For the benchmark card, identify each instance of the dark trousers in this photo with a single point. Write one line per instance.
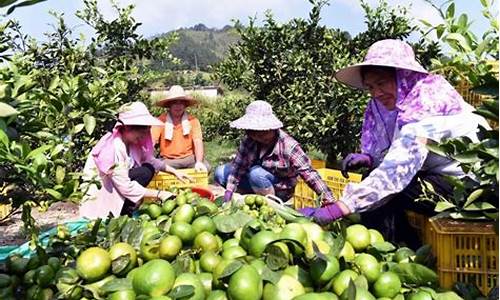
(143, 176)
(390, 219)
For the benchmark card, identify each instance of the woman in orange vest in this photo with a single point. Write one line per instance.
(180, 139)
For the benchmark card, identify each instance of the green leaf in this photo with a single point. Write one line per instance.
(6, 110)
(443, 205)
(383, 247)
(181, 292)
(473, 196)
(89, 122)
(276, 257)
(478, 206)
(460, 40)
(230, 223)
(231, 268)
(55, 194)
(412, 273)
(270, 276)
(120, 263)
(78, 128)
(450, 12)
(117, 284)
(25, 3)
(60, 174)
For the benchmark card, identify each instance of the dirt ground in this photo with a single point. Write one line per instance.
(11, 232)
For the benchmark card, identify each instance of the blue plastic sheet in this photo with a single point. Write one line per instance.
(25, 249)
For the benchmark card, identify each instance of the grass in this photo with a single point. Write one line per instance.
(218, 152)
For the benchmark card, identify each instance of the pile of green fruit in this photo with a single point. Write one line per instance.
(192, 248)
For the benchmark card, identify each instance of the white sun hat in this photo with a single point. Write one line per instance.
(258, 116)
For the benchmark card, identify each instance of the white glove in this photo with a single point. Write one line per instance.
(164, 195)
(200, 167)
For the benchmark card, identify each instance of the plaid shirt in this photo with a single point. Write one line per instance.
(286, 162)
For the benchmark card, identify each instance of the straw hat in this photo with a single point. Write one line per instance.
(386, 53)
(136, 113)
(176, 93)
(258, 116)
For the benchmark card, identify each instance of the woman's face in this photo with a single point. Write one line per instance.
(382, 87)
(264, 137)
(177, 108)
(134, 135)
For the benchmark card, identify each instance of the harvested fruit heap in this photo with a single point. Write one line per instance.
(190, 248)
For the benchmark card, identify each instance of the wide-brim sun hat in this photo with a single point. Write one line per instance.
(177, 93)
(136, 113)
(258, 116)
(384, 53)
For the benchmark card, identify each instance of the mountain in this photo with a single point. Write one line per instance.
(200, 46)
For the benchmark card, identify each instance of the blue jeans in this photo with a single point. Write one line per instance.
(255, 179)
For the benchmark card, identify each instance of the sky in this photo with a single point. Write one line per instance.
(159, 16)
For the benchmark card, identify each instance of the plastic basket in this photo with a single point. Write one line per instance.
(465, 252)
(421, 224)
(318, 164)
(164, 181)
(305, 196)
(5, 210)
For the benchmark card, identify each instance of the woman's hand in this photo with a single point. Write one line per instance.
(200, 167)
(182, 177)
(164, 195)
(355, 161)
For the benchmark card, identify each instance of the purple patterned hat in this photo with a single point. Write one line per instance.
(387, 53)
(258, 116)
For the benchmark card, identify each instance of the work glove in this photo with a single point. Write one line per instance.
(328, 213)
(228, 195)
(355, 161)
(307, 211)
(200, 167)
(164, 195)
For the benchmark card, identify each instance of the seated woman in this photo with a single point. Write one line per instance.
(268, 159)
(180, 139)
(409, 108)
(122, 163)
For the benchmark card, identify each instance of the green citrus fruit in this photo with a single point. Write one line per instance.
(259, 265)
(184, 231)
(28, 278)
(122, 295)
(204, 223)
(154, 278)
(368, 266)
(245, 284)
(358, 236)
(286, 288)
(300, 274)
(233, 252)
(420, 295)
(217, 295)
(230, 243)
(194, 281)
(317, 296)
(205, 241)
(44, 275)
(341, 281)
(184, 213)
(122, 249)
(403, 254)
(168, 206)
(218, 270)
(170, 246)
(361, 294)
(295, 232)
(150, 249)
(93, 264)
(387, 285)
(259, 242)
(154, 210)
(375, 236)
(323, 271)
(209, 260)
(347, 252)
(54, 263)
(17, 264)
(5, 279)
(206, 280)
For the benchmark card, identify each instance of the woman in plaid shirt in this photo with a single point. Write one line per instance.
(268, 159)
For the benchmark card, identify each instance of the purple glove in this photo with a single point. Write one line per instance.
(328, 213)
(355, 161)
(227, 196)
(307, 211)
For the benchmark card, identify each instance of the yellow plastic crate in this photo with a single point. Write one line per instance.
(465, 252)
(318, 164)
(421, 224)
(5, 210)
(305, 196)
(164, 181)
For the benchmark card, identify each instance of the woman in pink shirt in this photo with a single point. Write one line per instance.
(122, 163)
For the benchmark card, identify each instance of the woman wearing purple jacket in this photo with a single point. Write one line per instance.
(410, 108)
